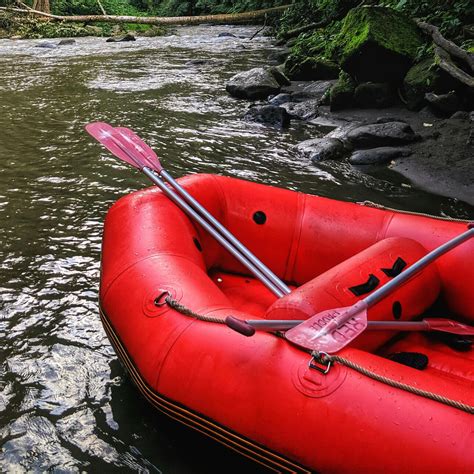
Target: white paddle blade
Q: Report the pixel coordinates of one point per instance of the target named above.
(330, 330)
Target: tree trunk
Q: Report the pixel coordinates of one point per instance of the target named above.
(156, 20)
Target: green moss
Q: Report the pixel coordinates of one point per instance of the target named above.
(342, 92)
(422, 74)
(424, 77)
(383, 26)
(309, 58)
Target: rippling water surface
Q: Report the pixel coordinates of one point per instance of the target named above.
(66, 404)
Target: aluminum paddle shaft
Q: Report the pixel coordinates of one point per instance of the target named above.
(126, 145)
(284, 290)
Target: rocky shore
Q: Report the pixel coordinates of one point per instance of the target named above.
(378, 104)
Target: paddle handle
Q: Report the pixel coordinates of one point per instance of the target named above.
(240, 326)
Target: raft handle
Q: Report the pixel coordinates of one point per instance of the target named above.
(322, 356)
(160, 300)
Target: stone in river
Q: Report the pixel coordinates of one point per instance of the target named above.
(320, 149)
(377, 156)
(382, 134)
(268, 115)
(257, 83)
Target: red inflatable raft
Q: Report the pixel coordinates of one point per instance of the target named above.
(261, 395)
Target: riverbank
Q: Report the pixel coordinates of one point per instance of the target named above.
(388, 91)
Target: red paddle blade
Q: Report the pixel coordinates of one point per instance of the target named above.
(448, 325)
(120, 144)
(330, 330)
(130, 138)
(104, 133)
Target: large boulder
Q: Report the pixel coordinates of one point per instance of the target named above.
(257, 83)
(423, 78)
(382, 134)
(377, 44)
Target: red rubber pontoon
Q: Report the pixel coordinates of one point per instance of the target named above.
(260, 395)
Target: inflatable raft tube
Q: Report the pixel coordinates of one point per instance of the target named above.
(262, 396)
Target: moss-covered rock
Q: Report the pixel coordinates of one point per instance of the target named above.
(422, 78)
(341, 95)
(313, 69)
(376, 44)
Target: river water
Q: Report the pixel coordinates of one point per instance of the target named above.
(66, 404)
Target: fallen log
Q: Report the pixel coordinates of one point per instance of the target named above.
(156, 20)
(443, 59)
(448, 46)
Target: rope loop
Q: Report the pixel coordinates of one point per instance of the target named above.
(327, 360)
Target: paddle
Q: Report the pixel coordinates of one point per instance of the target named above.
(128, 134)
(127, 146)
(331, 330)
(248, 327)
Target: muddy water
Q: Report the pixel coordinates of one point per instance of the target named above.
(65, 403)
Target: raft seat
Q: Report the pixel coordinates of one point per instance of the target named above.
(358, 276)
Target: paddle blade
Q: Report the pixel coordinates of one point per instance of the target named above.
(330, 330)
(448, 325)
(130, 138)
(104, 133)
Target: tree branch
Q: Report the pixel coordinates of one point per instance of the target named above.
(449, 46)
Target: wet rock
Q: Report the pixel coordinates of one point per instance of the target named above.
(377, 156)
(319, 149)
(46, 44)
(268, 115)
(226, 34)
(382, 134)
(389, 119)
(121, 39)
(305, 110)
(280, 99)
(67, 42)
(257, 83)
(445, 103)
(377, 44)
(370, 95)
(311, 68)
(341, 95)
(312, 90)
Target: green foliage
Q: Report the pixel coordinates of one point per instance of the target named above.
(448, 15)
(91, 7)
(32, 28)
